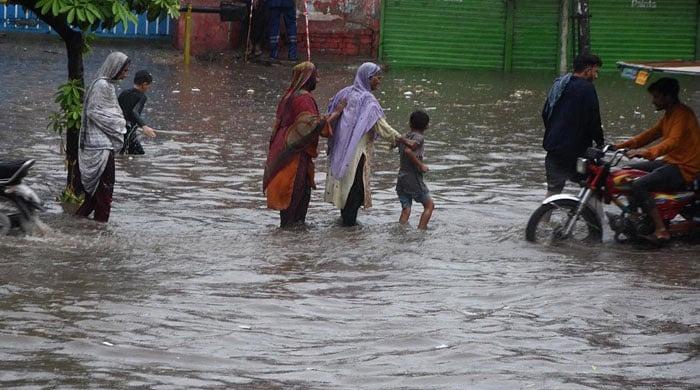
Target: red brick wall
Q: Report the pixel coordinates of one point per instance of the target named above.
(209, 33)
(343, 27)
(353, 43)
(340, 27)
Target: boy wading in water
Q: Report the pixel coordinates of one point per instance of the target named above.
(132, 102)
(410, 185)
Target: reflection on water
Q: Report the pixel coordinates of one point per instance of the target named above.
(192, 285)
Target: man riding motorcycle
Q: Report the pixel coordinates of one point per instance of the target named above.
(679, 135)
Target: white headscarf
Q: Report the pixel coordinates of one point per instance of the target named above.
(103, 124)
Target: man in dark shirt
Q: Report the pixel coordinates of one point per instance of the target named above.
(132, 102)
(571, 118)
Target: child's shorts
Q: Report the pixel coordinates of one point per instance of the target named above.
(407, 199)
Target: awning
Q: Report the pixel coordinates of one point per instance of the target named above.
(640, 71)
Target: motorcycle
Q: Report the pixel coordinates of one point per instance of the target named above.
(24, 201)
(576, 217)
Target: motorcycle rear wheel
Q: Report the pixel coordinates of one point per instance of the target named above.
(548, 222)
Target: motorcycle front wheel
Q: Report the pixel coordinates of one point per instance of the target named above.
(548, 223)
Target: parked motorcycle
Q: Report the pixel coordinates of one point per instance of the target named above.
(573, 217)
(23, 201)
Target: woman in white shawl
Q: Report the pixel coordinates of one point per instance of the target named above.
(102, 132)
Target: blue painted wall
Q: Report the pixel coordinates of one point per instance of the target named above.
(15, 18)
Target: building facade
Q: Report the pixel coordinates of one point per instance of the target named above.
(462, 34)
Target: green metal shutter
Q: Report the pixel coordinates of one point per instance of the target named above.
(444, 33)
(620, 30)
(536, 34)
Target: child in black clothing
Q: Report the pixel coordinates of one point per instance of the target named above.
(410, 185)
(132, 102)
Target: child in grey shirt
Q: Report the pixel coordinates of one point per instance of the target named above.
(410, 185)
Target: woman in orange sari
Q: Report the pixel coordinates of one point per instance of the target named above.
(289, 170)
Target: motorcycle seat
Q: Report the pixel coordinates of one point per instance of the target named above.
(13, 171)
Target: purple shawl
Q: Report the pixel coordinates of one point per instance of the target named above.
(359, 116)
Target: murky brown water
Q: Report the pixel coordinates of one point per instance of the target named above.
(192, 285)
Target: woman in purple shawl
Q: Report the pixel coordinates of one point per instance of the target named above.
(350, 147)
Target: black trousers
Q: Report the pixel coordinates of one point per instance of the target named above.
(101, 201)
(661, 177)
(558, 171)
(132, 145)
(356, 197)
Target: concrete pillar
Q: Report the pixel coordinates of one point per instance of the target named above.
(564, 37)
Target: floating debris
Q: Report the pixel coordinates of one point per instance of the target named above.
(250, 91)
(107, 343)
(196, 89)
(176, 91)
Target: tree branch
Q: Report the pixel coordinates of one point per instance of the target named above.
(59, 24)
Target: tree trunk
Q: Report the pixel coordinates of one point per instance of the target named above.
(74, 48)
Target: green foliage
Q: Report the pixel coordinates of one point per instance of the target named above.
(88, 39)
(89, 15)
(68, 196)
(69, 97)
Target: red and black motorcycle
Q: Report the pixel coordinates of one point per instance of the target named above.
(580, 217)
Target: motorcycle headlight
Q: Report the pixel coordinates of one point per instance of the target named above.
(582, 166)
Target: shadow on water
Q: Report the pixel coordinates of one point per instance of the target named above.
(193, 285)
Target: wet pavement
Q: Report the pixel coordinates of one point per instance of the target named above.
(192, 285)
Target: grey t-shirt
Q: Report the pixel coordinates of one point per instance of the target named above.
(410, 178)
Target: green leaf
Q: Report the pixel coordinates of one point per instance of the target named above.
(55, 7)
(81, 15)
(71, 16)
(93, 10)
(43, 5)
(45, 9)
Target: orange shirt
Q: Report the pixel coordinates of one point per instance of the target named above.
(680, 140)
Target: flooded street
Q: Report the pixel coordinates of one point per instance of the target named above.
(193, 285)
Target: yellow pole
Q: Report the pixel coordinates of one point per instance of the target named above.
(188, 33)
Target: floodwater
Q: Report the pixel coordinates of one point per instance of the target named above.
(193, 285)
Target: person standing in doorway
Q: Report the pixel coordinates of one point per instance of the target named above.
(259, 26)
(101, 134)
(571, 116)
(288, 10)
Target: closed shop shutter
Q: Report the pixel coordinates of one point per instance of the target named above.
(444, 33)
(643, 29)
(536, 34)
